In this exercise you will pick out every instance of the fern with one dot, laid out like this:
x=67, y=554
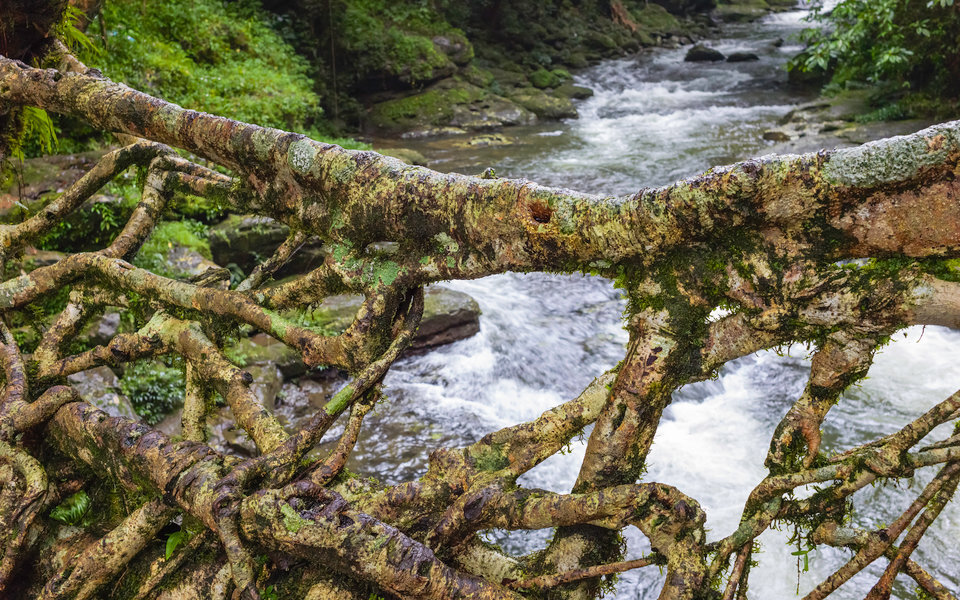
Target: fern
x=70, y=35
x=72, y=511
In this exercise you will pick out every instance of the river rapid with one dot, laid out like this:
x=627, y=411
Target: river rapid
x=655, y=119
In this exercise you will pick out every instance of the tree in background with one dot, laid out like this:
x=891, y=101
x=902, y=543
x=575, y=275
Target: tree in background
x=838, y=249
x=898, y=45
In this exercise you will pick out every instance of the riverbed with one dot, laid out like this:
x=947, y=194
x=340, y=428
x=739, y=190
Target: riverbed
x=655, y=119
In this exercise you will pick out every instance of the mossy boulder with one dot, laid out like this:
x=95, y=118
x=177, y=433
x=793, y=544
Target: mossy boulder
x=741, y=10
x=448, y=316
x=262, y=349
x=544, y=105
x=573, y=92
x=542, y=78
x=248, y=240
x=38, y=179
x=448, y=103
x=245, y=240
x=685, y=7
x=656, y=18
x=407, y=155
x=486, y=140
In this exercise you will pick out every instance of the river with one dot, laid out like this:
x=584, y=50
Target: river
x=655, y=119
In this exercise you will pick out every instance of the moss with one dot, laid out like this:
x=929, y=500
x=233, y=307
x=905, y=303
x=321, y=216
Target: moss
x=542, y=78
x=655, y=18
x=490, y=458
x=431, y=107
x=209, y=55
x=292, y=521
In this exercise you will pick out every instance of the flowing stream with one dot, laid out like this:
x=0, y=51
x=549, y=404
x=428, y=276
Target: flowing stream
x=655, y=119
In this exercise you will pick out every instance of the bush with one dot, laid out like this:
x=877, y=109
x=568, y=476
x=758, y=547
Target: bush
x=154, y=389
x=895, y=44
x=209, y=55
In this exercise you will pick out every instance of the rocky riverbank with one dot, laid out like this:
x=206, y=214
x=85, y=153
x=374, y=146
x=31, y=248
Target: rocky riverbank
x=521, y=82
x=836, y=121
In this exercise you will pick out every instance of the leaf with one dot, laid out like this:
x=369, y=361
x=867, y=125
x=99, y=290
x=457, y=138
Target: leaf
x=173, y=541
x=72, y=510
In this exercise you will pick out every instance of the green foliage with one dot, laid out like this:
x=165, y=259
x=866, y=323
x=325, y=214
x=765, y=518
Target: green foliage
x=898, y=44
x=153, y=388
x=38, y=134
x=168, y=234
x=67, y=31
x=174, y=540
x=210, y=55
x=75, y=510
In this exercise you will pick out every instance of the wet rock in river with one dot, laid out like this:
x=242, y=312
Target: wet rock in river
x=776, y=135
x=742, y=57
x=701, y=53
x=448, y=316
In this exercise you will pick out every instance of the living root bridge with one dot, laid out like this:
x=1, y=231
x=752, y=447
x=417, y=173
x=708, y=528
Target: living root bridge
x=837, y=249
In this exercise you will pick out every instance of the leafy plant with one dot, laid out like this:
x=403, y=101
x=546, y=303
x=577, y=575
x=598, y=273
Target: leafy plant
x=154, y=389
x=74, y=510
x=897, y=44
x=174, y=540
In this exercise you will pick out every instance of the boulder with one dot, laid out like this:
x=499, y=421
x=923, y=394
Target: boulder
x=262, y=349
x=455, y=46
x=101, y=388
x=701, y=53
x=742, y=57
x=544, y=105
x=451, y=102
x=485, y=140
x=101, y=331
x=34, y=259
x=448, y=316
x=248, y=240
x=574, y=92
x=245, y=240
x=776, y=135
x=685, y=7
x=741, y=10
x=407, y=155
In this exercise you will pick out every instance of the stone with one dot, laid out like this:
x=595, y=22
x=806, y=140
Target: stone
x=407, y=155
x=574, y=92
x=544, y=105
x=34, y=259
x=101, y=388
x=742, y=57
x=448, y=316
x=484, y=141
x=101, y=331
x=262, y=349
x=451, y=102
x=188, y=262
x=776, y=135
x=456, y=47
x=267, y=381
x=701, y=53
x=685, y=7
x=245, y=240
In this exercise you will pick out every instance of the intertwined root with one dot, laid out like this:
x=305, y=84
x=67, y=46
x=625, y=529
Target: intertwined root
x=763, y=239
